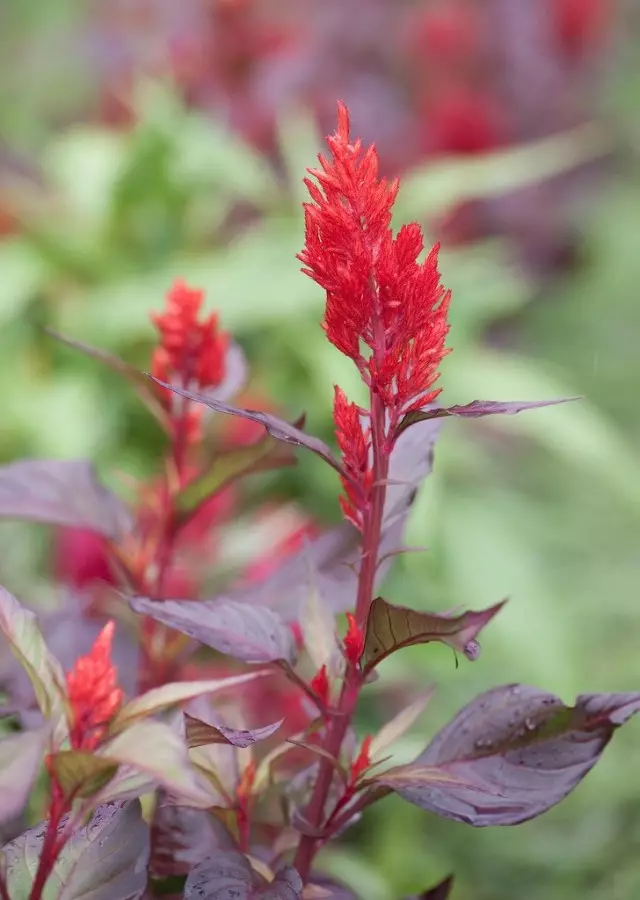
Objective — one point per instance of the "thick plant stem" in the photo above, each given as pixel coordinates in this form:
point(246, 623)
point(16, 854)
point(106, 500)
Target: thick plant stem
point(51, 845)
point(339, 724)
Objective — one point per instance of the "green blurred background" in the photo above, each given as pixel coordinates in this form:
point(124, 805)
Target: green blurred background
point(137, 145)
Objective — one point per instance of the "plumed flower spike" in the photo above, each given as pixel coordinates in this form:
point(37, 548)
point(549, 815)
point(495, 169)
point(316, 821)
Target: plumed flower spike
point(378, 295)
point(190, 351)
point(94, 695)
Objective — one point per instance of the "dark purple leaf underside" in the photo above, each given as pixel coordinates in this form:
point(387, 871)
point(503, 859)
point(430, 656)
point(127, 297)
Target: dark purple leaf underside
point(61, 492)
point(182, 837)
point(512, 753)
point(390, 628)
point(276, 427)
point(476, 410)
point(200, 734)
point(251, 634)
point(229, 876)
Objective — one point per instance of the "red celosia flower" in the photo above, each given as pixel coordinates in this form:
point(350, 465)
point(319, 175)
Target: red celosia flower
point(82, 558)
point(190, 351)
point(94, 695)
point(353, 641)
point(320, 684)
point(363, 760)
point(378, 295)
point(355, 444)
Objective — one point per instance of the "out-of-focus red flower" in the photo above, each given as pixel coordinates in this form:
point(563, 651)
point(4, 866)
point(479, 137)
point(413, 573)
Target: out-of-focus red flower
point(81, 558)
point(459, 119)
point(445, 34)
point(191, 352)
point(94, 695)
point(581, 24)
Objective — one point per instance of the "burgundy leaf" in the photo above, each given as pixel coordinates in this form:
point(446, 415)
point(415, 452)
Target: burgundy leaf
point(252, 634)
point(182, 837)
point(511, 754)
point(476, 409)
point(390, 628)
point(228, 874)
point(276, 427)
point(200, 733)
point(61, 492)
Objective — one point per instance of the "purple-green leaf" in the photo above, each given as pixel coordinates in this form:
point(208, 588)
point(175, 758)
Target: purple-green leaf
point(200, 734)
point(512, 753)
point(390, 628)
point(475, 410)
point(104, 860)
point(20, 760)
point(251, 634)
point(61, 492)
point(276, 427)
point(228, 874)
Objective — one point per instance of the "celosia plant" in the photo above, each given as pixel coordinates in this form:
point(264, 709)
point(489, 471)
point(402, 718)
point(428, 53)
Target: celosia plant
point(240, 797)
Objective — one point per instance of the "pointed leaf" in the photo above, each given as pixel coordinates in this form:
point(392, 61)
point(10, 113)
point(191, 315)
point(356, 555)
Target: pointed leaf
point(227, 875)
point(168, 695)
point(514, 752)
point(440, 891)
point(277, 428)
point(390, 628)
point(20, 628)
point(20, 760)
point(400, 724)
point(476, 410)
point(182, 837)
point(252, 634)
point(200, 734)
point(137, 379)
point(61, 492)
point(81, 773)
point(105, 860)
point(155, 751)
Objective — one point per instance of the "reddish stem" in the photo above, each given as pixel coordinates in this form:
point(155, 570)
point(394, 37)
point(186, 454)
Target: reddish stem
point(51, 845)
point(338, 726)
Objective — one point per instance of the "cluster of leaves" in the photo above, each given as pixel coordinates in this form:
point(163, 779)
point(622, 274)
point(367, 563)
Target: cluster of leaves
point(228, 805)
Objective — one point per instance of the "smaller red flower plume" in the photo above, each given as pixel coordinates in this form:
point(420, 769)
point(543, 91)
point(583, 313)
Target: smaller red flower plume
point(353, 641)
point(94, 695)
point(190, 350)
point(320, 684)
point(363, 760)
point(355, 444)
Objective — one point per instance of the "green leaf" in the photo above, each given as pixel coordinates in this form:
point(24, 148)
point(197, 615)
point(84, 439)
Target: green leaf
point(105, 860)
point(390, 628)
point(81, 773)
point(20, 628)
point(20, 761)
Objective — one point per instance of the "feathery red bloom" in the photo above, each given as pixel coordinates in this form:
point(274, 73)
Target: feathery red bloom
point(353, 642)
point(355, 444)
point(94, 695)
point(378, 295)
point(320, 684)
point(190, 350)
point(363, 760)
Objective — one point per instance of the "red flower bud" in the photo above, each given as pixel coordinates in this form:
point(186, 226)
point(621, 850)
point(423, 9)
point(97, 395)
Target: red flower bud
point(94, 695)
point(353, 641)
point(320, 685)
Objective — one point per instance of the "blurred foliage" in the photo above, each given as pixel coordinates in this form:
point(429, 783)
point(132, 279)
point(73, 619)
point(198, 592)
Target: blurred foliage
point(543, 508)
